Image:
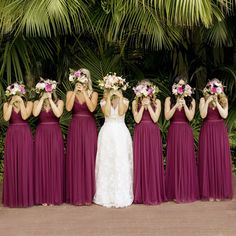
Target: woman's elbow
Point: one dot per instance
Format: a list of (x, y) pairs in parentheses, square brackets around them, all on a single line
[(6, 118), (68, 108)]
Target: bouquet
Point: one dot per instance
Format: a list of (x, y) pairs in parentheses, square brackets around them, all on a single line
[(15, 89), (145, 90), (213, 87), (78, 76), (47, 86), (184, 90), (112, 81)]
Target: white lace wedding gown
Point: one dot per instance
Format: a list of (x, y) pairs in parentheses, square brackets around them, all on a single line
[(114, 163)]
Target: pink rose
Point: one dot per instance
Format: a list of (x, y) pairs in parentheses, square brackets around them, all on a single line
[(48, 88), (213, 90), (77, 73), (180, 89)]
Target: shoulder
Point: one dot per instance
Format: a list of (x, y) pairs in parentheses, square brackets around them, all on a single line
[(158, 102), (202, 100), (94, 94), (69, 93), (103, 102), (29, 103), (167, 100), (6, 104), (126, 101), (60, 102)]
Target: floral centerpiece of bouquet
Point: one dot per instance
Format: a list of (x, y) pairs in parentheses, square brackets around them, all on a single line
[(46, 85), (112, 81), (145, 90), (213, 87), (184, 90), (78, 76), (15, 89)]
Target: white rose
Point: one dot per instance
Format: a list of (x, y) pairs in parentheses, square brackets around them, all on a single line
[(71, 78)]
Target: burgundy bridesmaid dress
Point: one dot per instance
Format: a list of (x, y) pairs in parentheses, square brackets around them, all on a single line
[(18, 164), (49, 160), (81, 155), (215, 168), (149, 186), (181, 169)]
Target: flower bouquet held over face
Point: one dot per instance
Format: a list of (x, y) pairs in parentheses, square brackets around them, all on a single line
[(46, 86), (113, 82), (182, 90), (78, 77), (213, 87), (15, 89), (145, 89)]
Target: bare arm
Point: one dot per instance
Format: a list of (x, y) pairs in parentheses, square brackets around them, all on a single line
[(169, 112), (122, 106), (137, 114), (70, 99), (155, 114), (57, 108), (26, 110), (7, 110), (203, 106), (91, 103), (223, 111), (38, 105), (189, 112), (106, 109)]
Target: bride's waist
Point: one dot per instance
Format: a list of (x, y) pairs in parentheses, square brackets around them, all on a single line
[(114, 120)]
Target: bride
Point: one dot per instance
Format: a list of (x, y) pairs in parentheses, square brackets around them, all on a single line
[(114, 161)]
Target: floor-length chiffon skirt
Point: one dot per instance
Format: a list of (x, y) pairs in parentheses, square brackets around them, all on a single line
[(18, 166)]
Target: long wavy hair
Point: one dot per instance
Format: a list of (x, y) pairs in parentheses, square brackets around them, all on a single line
[(222, 98), (86, 72), (173, 98), (139, 99)]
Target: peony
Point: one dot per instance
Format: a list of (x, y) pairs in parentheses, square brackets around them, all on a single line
[(111, 81), (47, 86), (15, 89)]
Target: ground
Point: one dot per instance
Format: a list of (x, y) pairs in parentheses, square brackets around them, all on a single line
[(168, 219)]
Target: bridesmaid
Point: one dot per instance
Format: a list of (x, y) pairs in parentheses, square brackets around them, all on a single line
[(215, 170), (18, 151), (81, 140), (181, 169), (49, 148), (149, 186)]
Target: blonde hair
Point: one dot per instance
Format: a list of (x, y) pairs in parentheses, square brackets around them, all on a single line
[(88, 75)]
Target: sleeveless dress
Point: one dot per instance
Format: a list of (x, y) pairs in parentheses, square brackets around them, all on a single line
[(149, 185), (215, 168), (81, 154), (181, 169), (49, 160), (114, 163), (18, 164)]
